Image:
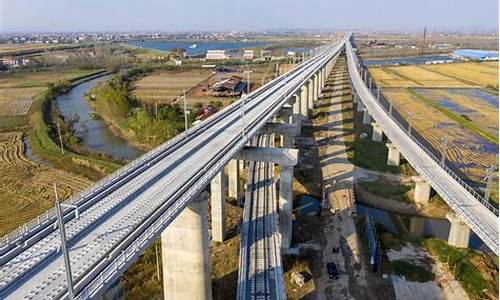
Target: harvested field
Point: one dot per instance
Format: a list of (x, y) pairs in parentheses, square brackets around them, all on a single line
[(476, 105), (26, 187), (469, 152), (422, 77), (18, 88), (386, 78), (163, 86), (481, 74)]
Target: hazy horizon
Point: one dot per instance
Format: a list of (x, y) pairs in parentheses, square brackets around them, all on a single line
[(260, 15)]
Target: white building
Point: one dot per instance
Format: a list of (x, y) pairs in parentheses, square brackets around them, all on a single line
[(248, 55), (217, 54)]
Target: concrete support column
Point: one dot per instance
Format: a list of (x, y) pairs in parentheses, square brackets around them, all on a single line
[(185, 255), (459, 232), (234, 188), (367, 119), (417, 226), (304, 95), (218, 207), (296, 111), (422, 190), (393, 156), (354, 97), (360, 107), (310, 97), (318, 85), (377, 133), (286, 205)]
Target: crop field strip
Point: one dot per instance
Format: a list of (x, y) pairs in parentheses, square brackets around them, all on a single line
[(26, 187), (479, 73), (17, 89), (464, 147), (466, 102), (164, 86)]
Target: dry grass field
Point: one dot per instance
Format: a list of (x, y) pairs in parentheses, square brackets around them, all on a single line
[(386, 78), (7, 49), (476, 105), (482, 74), (18, 88), (414, 76), (26, 187), (163, 86), (471, 153)]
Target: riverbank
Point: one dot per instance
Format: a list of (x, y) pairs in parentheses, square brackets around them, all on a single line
[(43, 134)]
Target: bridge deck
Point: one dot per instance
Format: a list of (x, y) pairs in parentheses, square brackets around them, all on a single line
[(111, 233), (468, 208)]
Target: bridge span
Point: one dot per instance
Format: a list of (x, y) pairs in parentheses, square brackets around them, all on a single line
[(467, 204), (159, 194), (124, 213)]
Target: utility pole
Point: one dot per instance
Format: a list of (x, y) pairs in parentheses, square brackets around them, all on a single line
[(248, 80), (410, 114), (60, 137), (423, 41), (489, 182), (157, 262), (156, 110), (444, 147), (185, 110), (67, 265)]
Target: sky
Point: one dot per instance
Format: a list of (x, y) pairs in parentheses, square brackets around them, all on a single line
[(214, 15)]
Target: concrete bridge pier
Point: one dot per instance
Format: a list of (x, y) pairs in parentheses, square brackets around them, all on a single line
[(316, 86), (459, 232), (234, 186), (367, 118), (296, 116), (185, 254), (325, 75), (422, 190), (360, 107), (393, 156), (417, 226), (304, 95), (218, 207), (287, 132), (377, 133), (286, 113), (354, 97), (310, 97), (286, 158)]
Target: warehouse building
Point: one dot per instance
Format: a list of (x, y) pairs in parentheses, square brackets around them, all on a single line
[(476, 54), (217, 54)]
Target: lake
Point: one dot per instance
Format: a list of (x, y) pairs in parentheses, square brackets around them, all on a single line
[(201, 46)]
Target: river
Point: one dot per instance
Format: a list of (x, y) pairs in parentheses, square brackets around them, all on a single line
[(400, 224), (94, 133)]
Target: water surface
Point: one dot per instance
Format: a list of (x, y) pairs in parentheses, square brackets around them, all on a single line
[(201, 46), (95, 134)]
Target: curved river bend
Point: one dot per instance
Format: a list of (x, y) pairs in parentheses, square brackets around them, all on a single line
[(95, 134)]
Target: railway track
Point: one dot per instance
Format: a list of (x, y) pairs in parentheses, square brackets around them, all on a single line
[(261, 272), (123, 213)]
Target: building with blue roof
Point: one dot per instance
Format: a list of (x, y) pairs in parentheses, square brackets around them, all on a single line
[(476, 54)]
